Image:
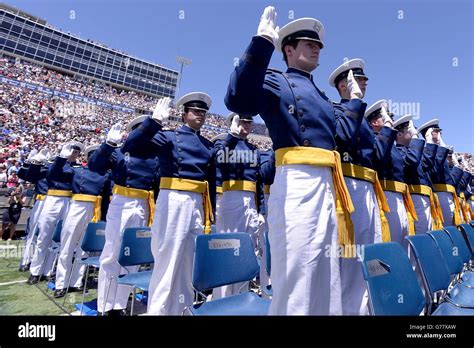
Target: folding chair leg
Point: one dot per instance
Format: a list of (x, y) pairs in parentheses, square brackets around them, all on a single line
[(84, 291), (69, 280), (133, 301), (107, 295)]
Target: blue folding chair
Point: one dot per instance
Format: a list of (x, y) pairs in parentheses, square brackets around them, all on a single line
[(392, 285), (457, 237), (92, 242), (224, 259), (451, 256), (468, 232), (436, 276), (134, 251)]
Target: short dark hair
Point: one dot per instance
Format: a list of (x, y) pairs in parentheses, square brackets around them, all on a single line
[(292, 43)]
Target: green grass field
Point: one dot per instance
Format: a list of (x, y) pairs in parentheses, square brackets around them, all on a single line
[(18, 298)]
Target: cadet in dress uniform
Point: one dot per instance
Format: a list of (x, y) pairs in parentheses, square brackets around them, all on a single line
[(402, 213), (411, 149), (132, 204), (85, 206), (243, 202), (186, 200), (267, 173), (54, 209), (361, 150), (457, 174), (41, 188), (308, 183), (429, 165), (443, 182)]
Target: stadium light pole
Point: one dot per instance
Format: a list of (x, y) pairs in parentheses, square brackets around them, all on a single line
[(183, 61)]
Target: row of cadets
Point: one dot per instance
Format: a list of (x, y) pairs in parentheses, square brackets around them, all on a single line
[(88, 190), (402, 215), (361, 151), (441, 176), (54, 209), (186, 202), (267, 173), (411, 148), (308, 182), (429, 164), (41, 189), (242, 205), (132, 205)]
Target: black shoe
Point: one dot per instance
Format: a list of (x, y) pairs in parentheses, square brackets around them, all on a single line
[(24, 268), (33, 280), (59, 293), (51, 278), (114, 313), (79, 289)]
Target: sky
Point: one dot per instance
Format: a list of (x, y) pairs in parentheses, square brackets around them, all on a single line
[(418, 53)]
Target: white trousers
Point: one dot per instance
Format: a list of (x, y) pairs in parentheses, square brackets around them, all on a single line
[(31, 238), (447, 207), (423, 210), (264, 277), (238, 213), (78, 217), (367, 230), (178, 221), (303, 232), (54, 209), (397, 218), (123, 212)]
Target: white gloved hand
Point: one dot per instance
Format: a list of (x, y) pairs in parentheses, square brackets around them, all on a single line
[(235, 128), (260, 219), (353, 86), (31, 154), (115, 135), (66, 151), (440, 140), (40, 157), (412, 130), (266, 27), (387, 121), (429, 136), (162, 110)]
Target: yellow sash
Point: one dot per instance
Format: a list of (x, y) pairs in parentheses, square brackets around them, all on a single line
[(457, 219), (40, 197), (239, 185), (218, 189), (344, 207), (464, 207), (427, 191), (180, 184), (97, 200), (59, 193), (140, 194), (266, 189), (401, 187), (370, 175)]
